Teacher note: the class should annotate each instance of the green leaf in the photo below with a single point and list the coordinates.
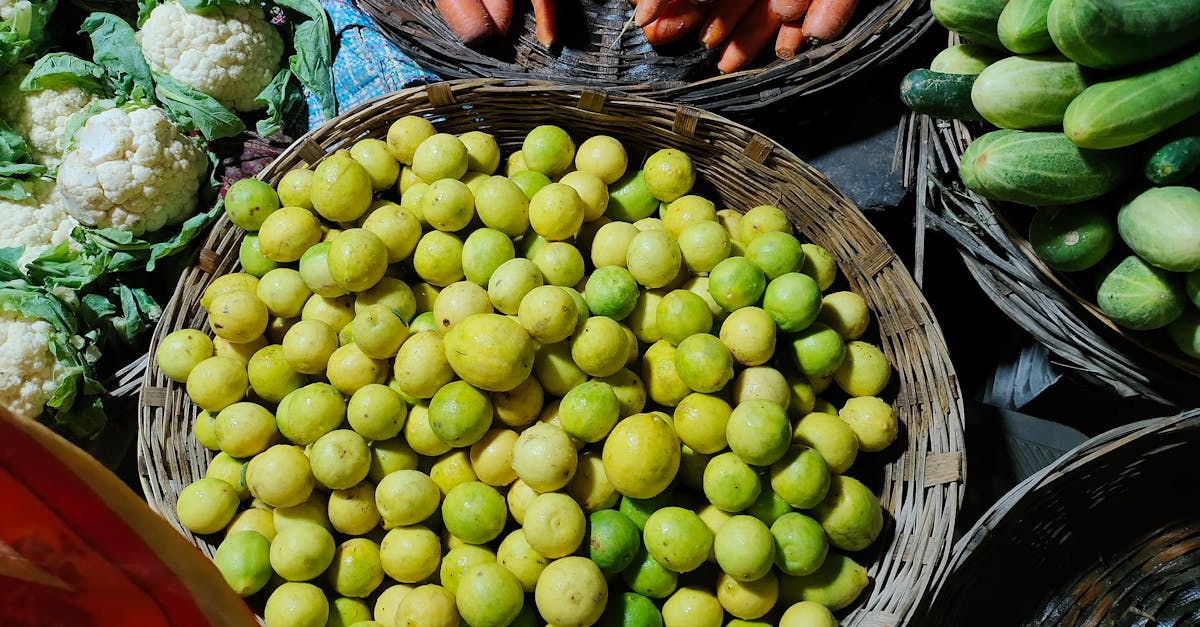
(114, 46)
(193, 110)
(130, 253)
(198, 5)
(145, 7)
(10, 267)
(280, 96)
(14, 164)
(26, 300)
(74, 267)
(61, 69)
(313, 61)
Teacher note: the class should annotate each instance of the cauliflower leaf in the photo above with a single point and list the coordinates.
(15, 166)
(60, 70)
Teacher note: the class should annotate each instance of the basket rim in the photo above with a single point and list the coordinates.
(937, 456)
(900, 24)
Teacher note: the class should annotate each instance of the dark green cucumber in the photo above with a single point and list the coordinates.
(1125, 111)
(1022, 26)
(1027, 92)
(965, 59)
(1039, 168)
(975, 20)
(1175, 161)
(940, 95)
(1108, 34)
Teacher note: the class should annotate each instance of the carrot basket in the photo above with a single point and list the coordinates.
(919, 479)
(600, 47)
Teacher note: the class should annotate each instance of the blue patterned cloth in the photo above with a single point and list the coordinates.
(367, 64)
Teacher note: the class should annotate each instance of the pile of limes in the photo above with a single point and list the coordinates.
(578, 393)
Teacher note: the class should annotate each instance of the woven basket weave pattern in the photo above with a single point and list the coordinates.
(921, 476)
(599, 48)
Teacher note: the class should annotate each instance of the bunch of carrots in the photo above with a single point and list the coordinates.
(743, 27)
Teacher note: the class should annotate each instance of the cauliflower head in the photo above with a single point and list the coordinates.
(37, 222)
(9, 7)
(40, 116)
(131, 169)
(229, 52)
(29, 372)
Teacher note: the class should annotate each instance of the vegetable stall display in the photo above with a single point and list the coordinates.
(108, 166)
(1096, 109)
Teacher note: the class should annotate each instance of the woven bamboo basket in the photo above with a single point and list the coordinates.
(920, 482)
(601, 48)
(1109, 534)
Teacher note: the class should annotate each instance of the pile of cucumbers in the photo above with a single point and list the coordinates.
(1095, 106)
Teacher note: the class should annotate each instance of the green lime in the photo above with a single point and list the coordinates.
(460, 413)
(629, 198)
(736, 282)
(831, 436)
(759, 432)
(589, 411)
(764, 219)
(630, 609)
(819, 264)
(681, 314)
(669, 174)
(611, 291)
(548, 149)
(801, 477)
(800, 544)
(793, 301)
(769, 506)
(646, 576)
(745, 548)
(638, 510)
(677, 538)
(529, 182)
(703, 245)
(818, 350)
(776, 252)
(730, 483)
(252, 260)
(474, 512)
(244, 559)
(356, 569)
(489, 595)
(864, 371)
(703, 363)
(850, 514)
(613, 540)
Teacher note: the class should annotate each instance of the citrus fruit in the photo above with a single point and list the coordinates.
(244, 559)
(850, 514)
(764, 219)
(762, 382)
(589, 411)
(460, 414)
(613, 540)
(703, 245)
(703, 363)
(294, 188)
(356, 570)
(448, 205)
(406, 497)
(302, 551)
(700, 421)
(793, 301)
(677, 539)
(429, 605)
(611, 243)
(438, 258)
(611, 291)
(872, 420)
(544, 457)
(554, 524)
(593, 192)
(490, 351)
(491, 457)
(730, 483)
(353, 511)
(556, 212)
(744, 548)
(629, 198)
(846, 312)
(571, 592)
(341, 189)
(819, 264)
(807, 614)
(630, 609)
(653, 258)
(440, 156)
(750, 335)
(801, 477)
(405, 134)
(519, 406)
(777, 253)
(548, 149)
(831, 437)
(660, 376)
(646, 576)
(818, 350)
(529, 182)
(599, 347)
(489, 595)
(457, 560)
(748, 599)
(515, 554)
(280, 476)
(669, 174)
(603, 156)
(681, 314)
(339, 459)
(373, 155)
(864, 371)
(641, 455)
(474, 512)
(548, 314)
(735, 283)
(554, 368)
(800, 544)
(693, 606)
(244, 429)
(483, 153)
(297, 603)
(503, 205)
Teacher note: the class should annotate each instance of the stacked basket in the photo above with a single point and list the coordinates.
(600, 47)
(919, 483)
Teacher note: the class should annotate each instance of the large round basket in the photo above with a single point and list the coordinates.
(919, 479)
(1106, 535)
(600, 47)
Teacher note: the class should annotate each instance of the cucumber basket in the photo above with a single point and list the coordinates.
(1070, 182)
(917, 478)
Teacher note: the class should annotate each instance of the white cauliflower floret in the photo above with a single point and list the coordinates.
(40, 116)
(9, 7)
(132, 170)
(29, 372)
(37, 222)
(230, 52)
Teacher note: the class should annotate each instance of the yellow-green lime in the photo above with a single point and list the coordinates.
(700, 421)
(807, 614)
(703, 363)
(207, 505)
(548, 314)
(611, 243)
(314, 269)
(850, 514)
(452, 469)
(817, 350)
(340, 459)
(629, 198)
(669, 174)
(440, 156)
(457, 560)
(346, 611)
(491, 457)
(589, 411)
(611, 291)
(378, 331)
(294, 188)
(831, 437)
(238, 317)
(744, 548)
(561, 264)
(750, 335)
(800, 544)
(232, 282)
(245, 429)
(511, 281)
(685, 211)
(302, 551)
(483, 251)
(349, 369)
(776, 252)
(555, 370)
(639, 510)
(336, 312)
(864, 371)
(730, 483)
(653, 258)
(819, 264)
(205, 431)
(678, 539)
(593, 192)
(846, 312)
(410, 187)
(515, 554)
(703, 245)
(872, 420)
(590, 487)
(759, 432)
(410, 554)
(373, 155)
(544, 457)
(769, 506)
(764, 219)
(793, 301)
(297, 603)
(489, 595)
(681, 314)
(528, 181)
(519, 496)
(554, 525)
(280, 476)
(748, 599)
(613, 540)
(429, 605)
(252, 260)
(548, 149)
(643, 321)
(352, 511)
(556, 212)
(630, 609)
(458, 301)
(420, 367)
(356, 570)
(519, 406)
(405, 134)
(341, 189)
(490, 351)
(474, 512)
(801, 477)
(406, 497)
(283, 291)
(314, 510)
(660, 377)
(571, 592)
(693, 606)
(736, 282)
(483, 153)
(398, 228)
(603, 156)
(244, 559)
(646, 576)
(641, 455)
(253, 519)
(448, 205)
(599, 347)
(629, 389)
(438, 258)
(460, 414)
(503, 205)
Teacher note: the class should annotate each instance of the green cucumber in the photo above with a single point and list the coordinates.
(944, 96)
(1027, 92)
(975, 20)
(1039, 168)
(964, 59)
(1108, 34)
(1162, 225)
(1139, 296)
(1022, 26)
(1175, 161)
(1125, 111)
(1072, 238)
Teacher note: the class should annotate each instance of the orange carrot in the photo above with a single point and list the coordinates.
(500, 12)
(789, 40)
(678, 19)
(749, 38)
(826, 19)
(647, 11)
(790, 10)
(721, 21)
(467, 18)
(546, 15)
